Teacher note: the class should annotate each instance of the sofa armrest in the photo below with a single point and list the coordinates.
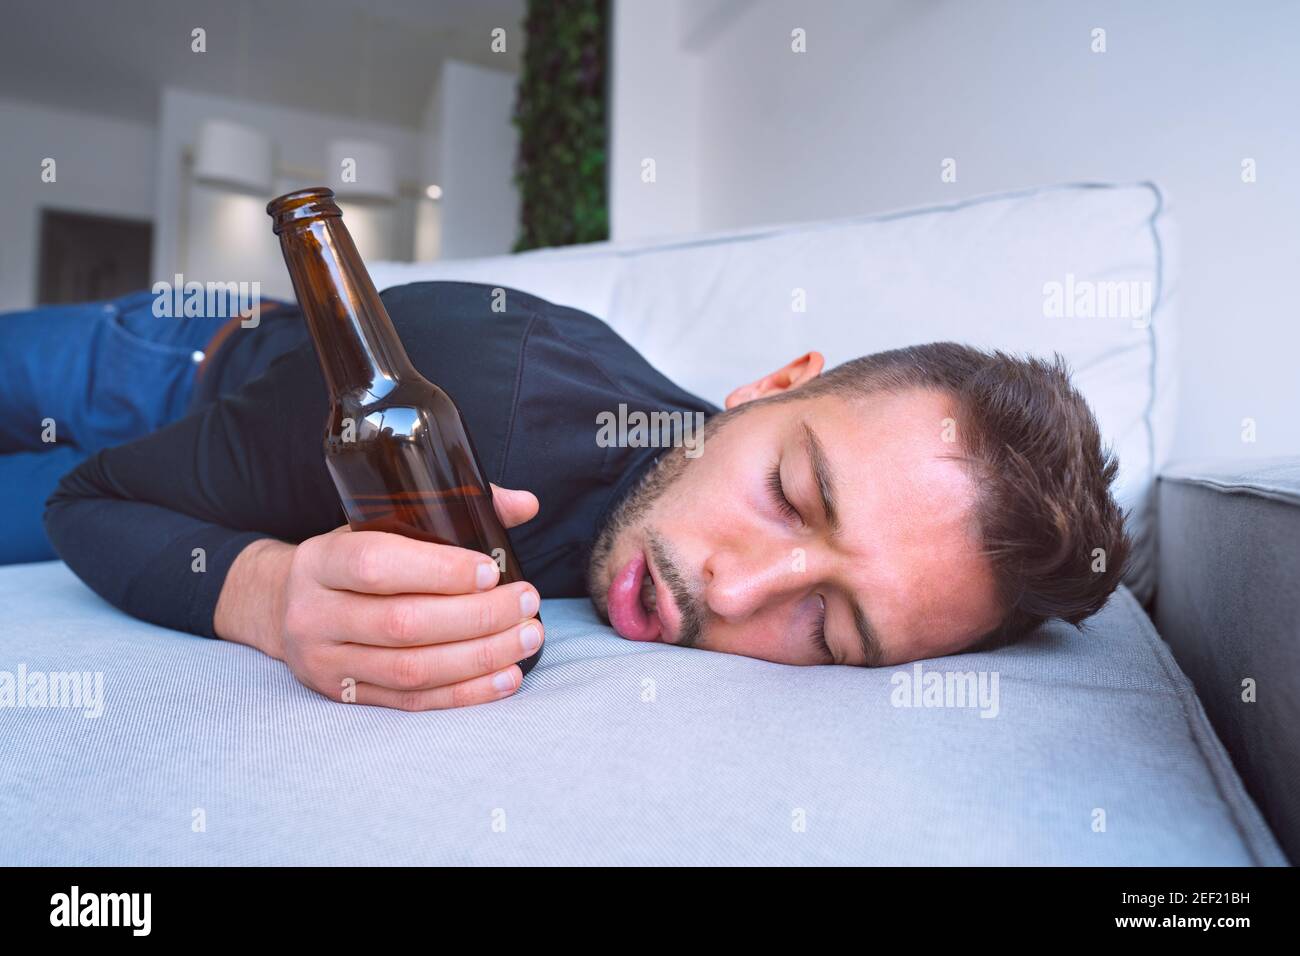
(1228, 603)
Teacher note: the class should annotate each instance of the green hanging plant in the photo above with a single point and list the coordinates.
(560, 114)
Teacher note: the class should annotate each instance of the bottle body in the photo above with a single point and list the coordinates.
(405, 464)
(395, 444)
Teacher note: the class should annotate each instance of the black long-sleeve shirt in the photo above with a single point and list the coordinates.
(530, 382)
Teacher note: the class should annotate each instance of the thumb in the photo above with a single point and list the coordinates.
(514, 507)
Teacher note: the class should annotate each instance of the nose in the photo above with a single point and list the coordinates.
(740, 579)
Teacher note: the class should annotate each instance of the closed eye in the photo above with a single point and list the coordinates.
(777, 492)
(819, 633)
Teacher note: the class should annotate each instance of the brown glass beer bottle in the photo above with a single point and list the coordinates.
(395, 443)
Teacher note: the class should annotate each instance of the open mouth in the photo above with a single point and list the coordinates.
(633, 603)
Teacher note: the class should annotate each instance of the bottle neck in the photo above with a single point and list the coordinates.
(358, 347)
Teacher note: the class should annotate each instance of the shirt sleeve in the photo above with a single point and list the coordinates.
(154, 525)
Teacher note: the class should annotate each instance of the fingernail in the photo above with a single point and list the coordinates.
(531, 638)
(486, 575)
(504, 681)
(529, 602)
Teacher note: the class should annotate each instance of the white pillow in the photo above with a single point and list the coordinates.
(1059, 269)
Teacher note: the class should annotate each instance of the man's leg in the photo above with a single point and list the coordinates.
(78, 378)
(41, 350)
(27, 478)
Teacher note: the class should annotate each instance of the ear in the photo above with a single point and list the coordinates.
(801, 370)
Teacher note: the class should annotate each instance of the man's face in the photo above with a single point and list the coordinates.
(848, 517)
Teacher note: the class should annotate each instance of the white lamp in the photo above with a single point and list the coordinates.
(235, 156)
(361, 169)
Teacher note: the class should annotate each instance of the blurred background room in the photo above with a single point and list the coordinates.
(172, 122)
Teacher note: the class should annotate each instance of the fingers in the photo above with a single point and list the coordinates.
(439, 665)
(477, 690)
(514, 507)
(410, 620)
(378, 618)
(377, 562)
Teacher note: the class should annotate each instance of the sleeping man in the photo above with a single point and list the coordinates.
(905, 505)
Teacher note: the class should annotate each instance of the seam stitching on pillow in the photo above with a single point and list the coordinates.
(1152, 540)
(1250, 489)
(818, 225)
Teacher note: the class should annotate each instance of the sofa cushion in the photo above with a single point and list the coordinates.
(1065, 269)
(1093, 750)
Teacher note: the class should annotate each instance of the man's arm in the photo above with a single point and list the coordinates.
(376, 618)
(180, 528)
(250, 607)
(154, 525)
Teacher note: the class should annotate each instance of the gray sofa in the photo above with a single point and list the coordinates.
(1092, 748)
(1229, 605)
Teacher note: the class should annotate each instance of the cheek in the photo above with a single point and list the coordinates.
(705, 496)
(780, 634)
(768, 642)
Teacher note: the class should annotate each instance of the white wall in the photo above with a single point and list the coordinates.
(229, 235)
(476, 145)
(654, 97)
(1010, 89)
(104, 166)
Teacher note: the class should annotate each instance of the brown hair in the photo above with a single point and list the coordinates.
(1033, 446)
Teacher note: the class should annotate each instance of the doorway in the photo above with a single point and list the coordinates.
(85, 257)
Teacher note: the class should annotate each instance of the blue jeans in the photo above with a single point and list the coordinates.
(78, 378)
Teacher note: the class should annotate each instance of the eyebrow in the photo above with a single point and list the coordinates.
(824, 477)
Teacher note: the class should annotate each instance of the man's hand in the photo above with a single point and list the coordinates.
(377, 618)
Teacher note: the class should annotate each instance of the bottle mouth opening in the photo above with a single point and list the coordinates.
(317, 202)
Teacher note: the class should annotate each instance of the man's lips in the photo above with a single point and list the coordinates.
(627, 614)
